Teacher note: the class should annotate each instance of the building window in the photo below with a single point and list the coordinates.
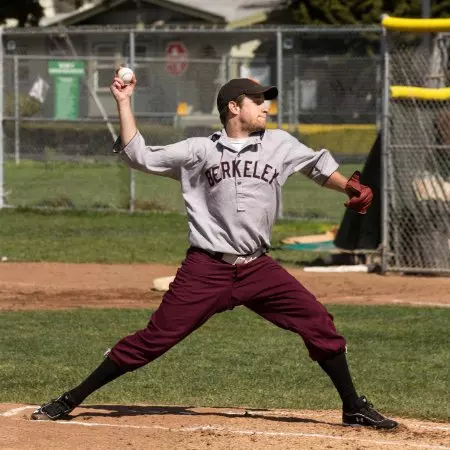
(57, 46)
(108, 53)
(105, 50)
(140, 50)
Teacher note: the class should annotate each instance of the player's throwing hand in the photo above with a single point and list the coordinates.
(121, 90)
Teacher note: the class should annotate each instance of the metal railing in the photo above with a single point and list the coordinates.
(416, 147)
(60, 119)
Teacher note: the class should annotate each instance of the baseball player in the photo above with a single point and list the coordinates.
(231, 183)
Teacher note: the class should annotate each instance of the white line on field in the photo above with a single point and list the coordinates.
(433, 427)
(287, 414)
(14, 411)
(412, 303)
(250, 433)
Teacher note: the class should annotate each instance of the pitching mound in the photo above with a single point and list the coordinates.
(169, 427)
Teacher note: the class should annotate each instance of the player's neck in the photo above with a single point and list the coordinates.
(235, 130)
(235, 133)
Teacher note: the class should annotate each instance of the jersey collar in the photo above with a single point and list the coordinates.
(221, 137)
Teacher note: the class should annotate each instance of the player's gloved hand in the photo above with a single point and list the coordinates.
(360, 196)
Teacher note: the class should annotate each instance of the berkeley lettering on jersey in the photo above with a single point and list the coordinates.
(241, 169)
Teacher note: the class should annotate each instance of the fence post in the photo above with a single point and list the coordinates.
(279, 63)
(1, 118)
(378, 102)
(280, 76)
(384, 153)
(223, 70)
(132, 60)
(426, 13)
(296, 88)
(16, 110)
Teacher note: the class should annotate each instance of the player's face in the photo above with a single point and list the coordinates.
(253, 113)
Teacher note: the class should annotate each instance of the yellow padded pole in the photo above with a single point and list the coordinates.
(418, 93)
(415, 25)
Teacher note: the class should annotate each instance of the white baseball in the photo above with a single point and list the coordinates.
(125, 74)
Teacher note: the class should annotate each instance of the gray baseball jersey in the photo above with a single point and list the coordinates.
(231, 197)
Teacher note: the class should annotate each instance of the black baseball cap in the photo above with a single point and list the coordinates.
(238, 86)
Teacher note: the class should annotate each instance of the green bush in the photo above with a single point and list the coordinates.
(94, 139)
(28, 106)
(349, 142)
(85, 139)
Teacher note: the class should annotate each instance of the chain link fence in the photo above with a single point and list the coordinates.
(60, 119)
(417, 153)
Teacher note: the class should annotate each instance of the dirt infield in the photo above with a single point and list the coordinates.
(33, 286)
(63, 286)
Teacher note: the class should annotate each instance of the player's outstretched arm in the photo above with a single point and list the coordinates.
(122, 93)
(359, 195)
(337, 182)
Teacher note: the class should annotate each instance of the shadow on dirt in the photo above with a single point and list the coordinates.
(130, 411)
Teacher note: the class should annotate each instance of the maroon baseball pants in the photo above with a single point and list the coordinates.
(204, 286)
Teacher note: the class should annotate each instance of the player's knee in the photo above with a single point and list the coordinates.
(320, 315)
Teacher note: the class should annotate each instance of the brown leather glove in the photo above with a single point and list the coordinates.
(360, 196)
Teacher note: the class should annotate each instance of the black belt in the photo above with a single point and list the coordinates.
(233, 259)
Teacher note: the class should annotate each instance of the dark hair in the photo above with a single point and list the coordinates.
(224, 113)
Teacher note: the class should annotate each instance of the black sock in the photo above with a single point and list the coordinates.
(337, 369)
(106, 372)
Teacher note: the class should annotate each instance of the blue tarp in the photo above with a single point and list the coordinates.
(325, 246)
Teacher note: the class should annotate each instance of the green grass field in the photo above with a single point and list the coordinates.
(398, 355)
(235, 359)
(108, 237)
(106, 185)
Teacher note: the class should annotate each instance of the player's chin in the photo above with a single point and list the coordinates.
(260, 125)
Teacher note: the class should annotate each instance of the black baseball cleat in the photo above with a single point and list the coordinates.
(55, 409)
(364, 415)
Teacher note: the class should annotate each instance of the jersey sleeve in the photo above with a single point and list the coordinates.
(164, 160)
(316, 165)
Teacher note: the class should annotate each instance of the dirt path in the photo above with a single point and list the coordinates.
(32, 286)
(57, 286)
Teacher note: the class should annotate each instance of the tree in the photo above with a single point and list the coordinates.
(27, 12)
(347, 12)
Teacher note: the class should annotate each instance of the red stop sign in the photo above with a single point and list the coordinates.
(176, 58)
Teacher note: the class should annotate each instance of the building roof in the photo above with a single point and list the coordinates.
(236, 12)
(233, 10)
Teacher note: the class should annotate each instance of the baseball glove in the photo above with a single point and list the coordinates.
(360, 195)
